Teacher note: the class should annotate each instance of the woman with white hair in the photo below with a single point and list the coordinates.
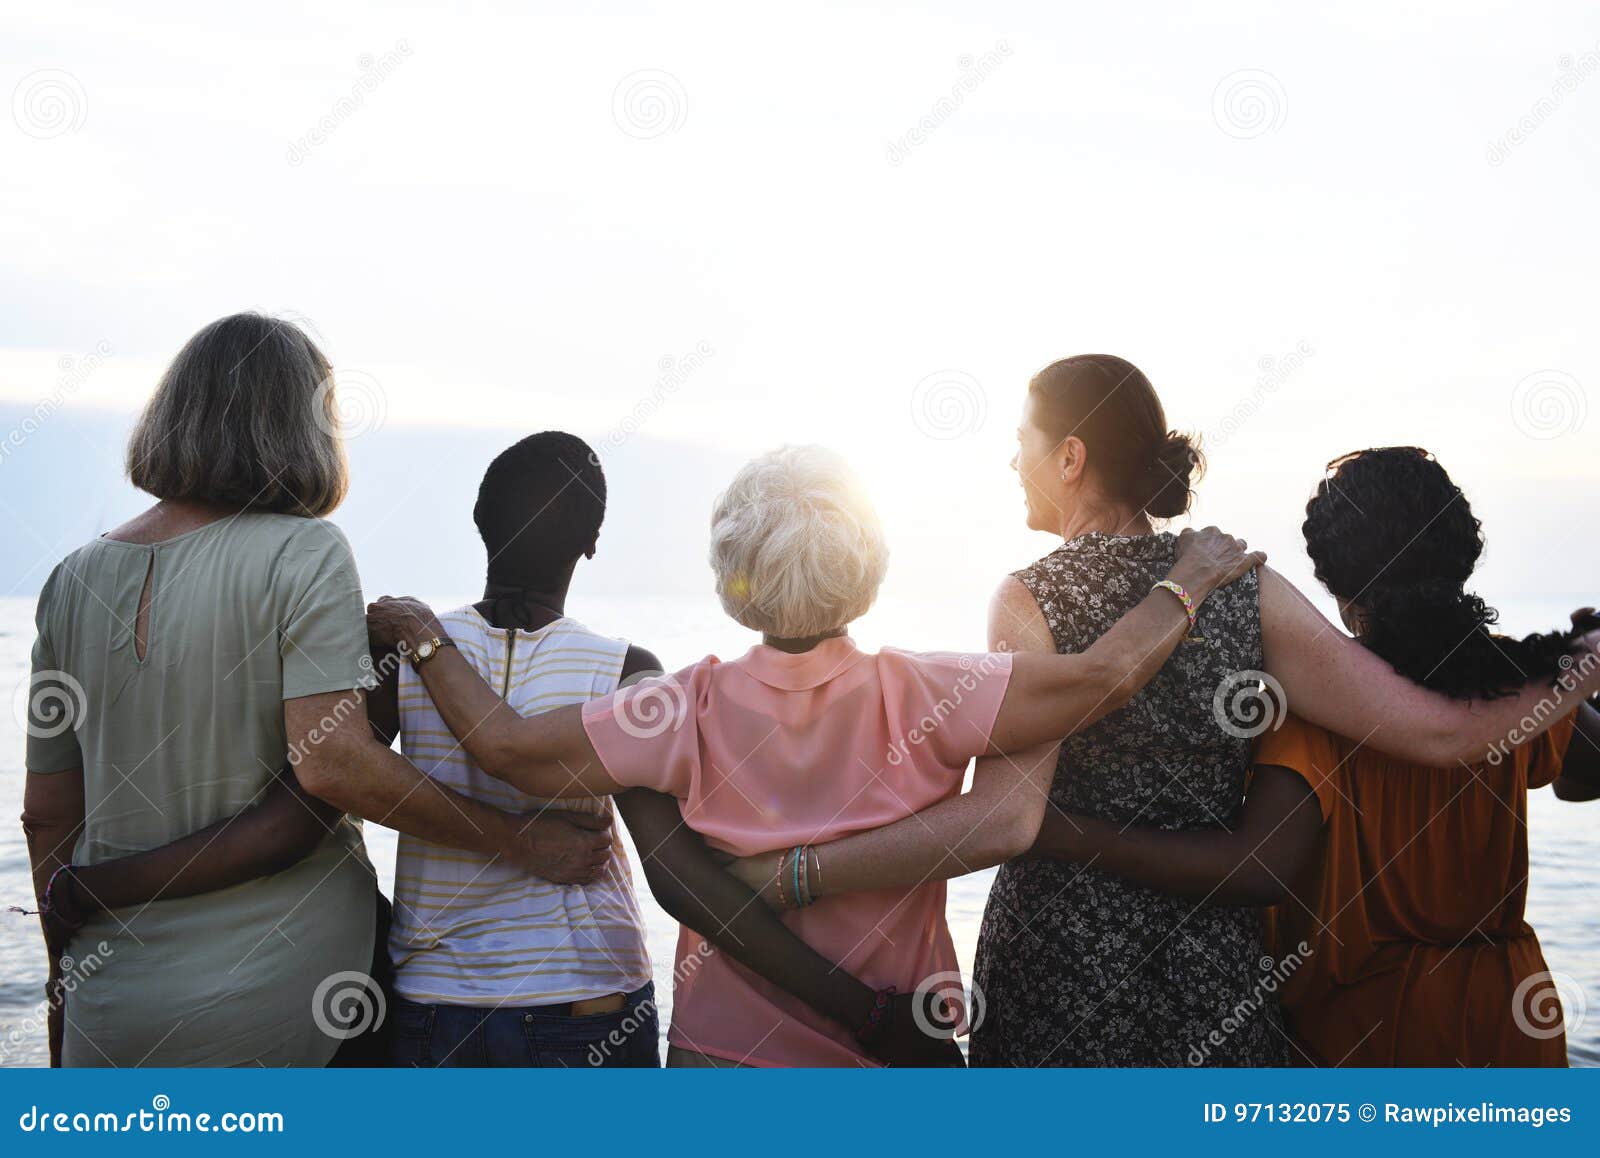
(807, 738)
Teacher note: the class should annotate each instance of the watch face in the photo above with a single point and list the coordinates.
(425, 650)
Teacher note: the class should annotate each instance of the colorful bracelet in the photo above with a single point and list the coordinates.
(878, 1019)
(1184, 598)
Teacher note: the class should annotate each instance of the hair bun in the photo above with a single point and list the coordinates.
(1174, 469)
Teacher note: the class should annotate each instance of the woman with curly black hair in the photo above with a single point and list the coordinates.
(1403, 941)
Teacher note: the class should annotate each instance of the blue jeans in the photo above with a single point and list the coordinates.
(464, 1036)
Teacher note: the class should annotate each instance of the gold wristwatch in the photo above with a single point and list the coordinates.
(429, 648)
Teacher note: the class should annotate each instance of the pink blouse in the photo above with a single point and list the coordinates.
(774, 750)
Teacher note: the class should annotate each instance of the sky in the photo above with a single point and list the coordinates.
(690, 235)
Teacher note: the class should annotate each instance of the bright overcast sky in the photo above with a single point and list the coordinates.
(874, 222)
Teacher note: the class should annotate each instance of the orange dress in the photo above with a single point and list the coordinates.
(1406, 944)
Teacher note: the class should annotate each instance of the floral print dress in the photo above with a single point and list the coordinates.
(1080, 967)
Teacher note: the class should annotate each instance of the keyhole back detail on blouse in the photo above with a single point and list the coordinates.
(141, 620)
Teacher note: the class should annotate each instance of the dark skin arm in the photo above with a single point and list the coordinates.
(1278, 834)
(279, 828)
(695, 890)
(1580, 771)
(52, 820)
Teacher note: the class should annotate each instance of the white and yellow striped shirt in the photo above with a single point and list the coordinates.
(469, 931)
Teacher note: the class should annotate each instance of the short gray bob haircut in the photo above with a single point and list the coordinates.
(796, 545)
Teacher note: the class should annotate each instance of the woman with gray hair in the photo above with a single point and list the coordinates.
(807, 738)
(180, 660)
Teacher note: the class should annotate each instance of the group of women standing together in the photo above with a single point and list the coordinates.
(1179, 885)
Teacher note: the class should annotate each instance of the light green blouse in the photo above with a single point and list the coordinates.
(246, 613)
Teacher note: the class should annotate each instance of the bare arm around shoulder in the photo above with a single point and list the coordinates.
(545, 755)
(337, 759)
(1049, 696)
(1255, 863)
(994, 821)
(1330, 679)
(280, 827)
(698, 892)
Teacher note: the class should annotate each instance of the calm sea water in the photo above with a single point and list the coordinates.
(1565, 873)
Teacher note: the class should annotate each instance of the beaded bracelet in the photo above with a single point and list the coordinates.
(1184, 597)
(783, 902)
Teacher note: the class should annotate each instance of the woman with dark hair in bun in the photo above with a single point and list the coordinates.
(1406, 931)
(1078, 965)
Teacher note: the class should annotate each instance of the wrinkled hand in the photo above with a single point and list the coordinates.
(1209, 559)
(563, 847)
(392, 622)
